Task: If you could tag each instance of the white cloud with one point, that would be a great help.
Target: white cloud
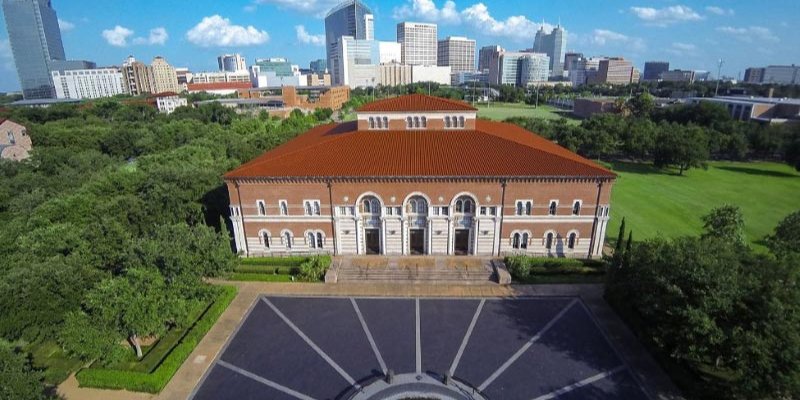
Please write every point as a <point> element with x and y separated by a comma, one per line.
<point>666,16</point>
<point>306,38</point>
<point>314,7</point>
<point>158,36</point>
<point>720,10</point>
<point>603,37</point>
<point>65,25</point>
<point>750,34</point>
<point>216,31</point>
<point>515,27</point>
<point>684,46</point>
<point>118,36</point>
<point>682,49</point>
<point>426,10</point>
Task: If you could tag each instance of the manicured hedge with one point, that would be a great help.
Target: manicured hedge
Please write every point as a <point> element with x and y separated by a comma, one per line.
<point>155,381</point>
<point>523,267</point>
<point>294,261</point>
<point>250,277</point>
<point>267,269</point>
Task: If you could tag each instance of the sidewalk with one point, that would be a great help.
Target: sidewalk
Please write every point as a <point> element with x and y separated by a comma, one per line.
<point>190,373</point>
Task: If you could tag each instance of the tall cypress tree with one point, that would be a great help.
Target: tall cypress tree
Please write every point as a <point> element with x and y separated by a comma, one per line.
<point>620,246</point>
<point>626,258</point>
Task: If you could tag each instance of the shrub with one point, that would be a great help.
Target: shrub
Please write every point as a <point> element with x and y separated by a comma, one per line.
<point>155,381</point>
<point>522,267</point>
<point>518,267</point>
<point>314,269</point>
<point>294,261</point>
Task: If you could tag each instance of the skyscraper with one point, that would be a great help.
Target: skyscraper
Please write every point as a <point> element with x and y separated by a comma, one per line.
<point>318,66</point>
<point>419,43</point>
<point>350,18</point>
<point>458,53</point>
<point>570,59</point>
<point>654,69</point>
<point>137,77</point>
<point>554,44</point>
<point>35,40</point>
<point>232,63</point>
<point>165,79</point>
<point>489,56</point>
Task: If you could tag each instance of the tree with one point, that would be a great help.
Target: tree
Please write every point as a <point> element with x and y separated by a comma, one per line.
<point>786,238</point>
<point>619,246</point>
<point>641,105</point>
<point>18,379</point>
<point>792,152</point>
<point>682,147</point>
<point>726,223</point>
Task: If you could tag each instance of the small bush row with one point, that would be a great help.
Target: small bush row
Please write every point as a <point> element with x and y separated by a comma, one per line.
<point>293,261</point>
<point>271,270</point>
<point>155,381</point>
<point>522,267</point>
<point>260,277</point>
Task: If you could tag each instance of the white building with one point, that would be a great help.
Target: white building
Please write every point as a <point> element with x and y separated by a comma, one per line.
<point>88,83</point>
<point>458,53</point>
<point>533,68</point>
<point>430,73</point>
<point>390,52</point>
<point>356,62</point>
<point>584,68</point>
<point>232,63</point>
<point>168,104</point>
<point>419,43</point>
<point>222,76</point>
<point>394,74</point>
<point>165,77</point>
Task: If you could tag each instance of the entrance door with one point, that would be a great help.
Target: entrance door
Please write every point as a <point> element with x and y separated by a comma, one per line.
<point>462,242</point>
<point>372,239</point>
<point>417,241</point>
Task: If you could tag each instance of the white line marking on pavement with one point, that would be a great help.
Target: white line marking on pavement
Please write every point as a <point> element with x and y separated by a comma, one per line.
<point>369,336</point>
<point>525,347</point>
<point>313,345</point>
<point>466,337</point>
<point>265,381</point>
<point>419,343</point>
<point>576,385</point>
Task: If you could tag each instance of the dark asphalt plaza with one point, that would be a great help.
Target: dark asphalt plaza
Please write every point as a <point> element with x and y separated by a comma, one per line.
<point>330,348</point>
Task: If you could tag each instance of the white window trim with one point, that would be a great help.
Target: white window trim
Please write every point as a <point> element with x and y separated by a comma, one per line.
<point>259,205</point>
<point>548,207</point>
<point>580,202</point>
<point>281,204</point>
<point>315,204</point>
<point>524,207</point>
<point>577,239</point>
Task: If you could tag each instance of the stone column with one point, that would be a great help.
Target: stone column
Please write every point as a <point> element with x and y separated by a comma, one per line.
<point>383,236</point>
<point>359,236</point>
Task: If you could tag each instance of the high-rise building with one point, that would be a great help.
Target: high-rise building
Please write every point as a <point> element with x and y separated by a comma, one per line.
<point>554,44</point>
<point>394,74</point>
<point>569,60</point>
<point>533,68</point>
<point>351,18</point>
<point>391,52</point>
<point>458,53</point>
<point>137,77</point>
<point>35,40</point>
<point>614,71</point>
<point>165,79</point>
<point>356,62</point>
<point>678,75</point>
<point>583,70</point>
<point>754,75</point>
<point>318,66</point>
<point>488,56</point>
<point>419,43</point>
<point>88,83</point>
<point>232,63</point>
<point>654,69</point>
<point>782,74</point>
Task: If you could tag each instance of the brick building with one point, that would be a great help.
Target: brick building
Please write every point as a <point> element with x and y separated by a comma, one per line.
<point>15,144</point>
<point>420,175</point>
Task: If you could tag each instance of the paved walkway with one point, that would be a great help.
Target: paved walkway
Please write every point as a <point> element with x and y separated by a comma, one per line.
<point>187,377</point>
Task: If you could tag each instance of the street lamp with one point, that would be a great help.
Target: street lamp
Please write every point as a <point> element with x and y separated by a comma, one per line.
<point>719,75</point>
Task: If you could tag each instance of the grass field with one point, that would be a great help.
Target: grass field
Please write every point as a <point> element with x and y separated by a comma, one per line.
<point>501,111</point>
<point>661,204</point>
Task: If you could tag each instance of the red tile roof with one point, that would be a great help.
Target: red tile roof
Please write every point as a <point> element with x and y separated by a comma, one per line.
<point>493,149</point>
<point>218,86</point>
<point>416,102</point>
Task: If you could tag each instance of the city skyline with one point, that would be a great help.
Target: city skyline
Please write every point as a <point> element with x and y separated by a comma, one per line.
<point>689,34</point>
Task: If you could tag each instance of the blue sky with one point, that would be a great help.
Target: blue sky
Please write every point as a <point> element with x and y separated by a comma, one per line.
<point>191,33</point>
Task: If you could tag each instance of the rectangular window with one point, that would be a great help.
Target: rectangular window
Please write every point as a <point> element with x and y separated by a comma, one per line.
<point>311,207</point>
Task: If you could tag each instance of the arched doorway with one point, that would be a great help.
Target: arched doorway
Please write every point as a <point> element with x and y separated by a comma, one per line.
<point>371,209</point>
<point>464,209</point>
<point>416,209</point>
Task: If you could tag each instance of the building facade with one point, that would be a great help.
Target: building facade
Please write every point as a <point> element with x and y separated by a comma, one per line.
<point>351,18</point>
<point>782,74</point>
<point>754,75</point>
<point>394,74</point>
<point>219,77</point>
<point>137,77</point>
<point>88,83</point>
<point>569,61</point>
<point>554,44</point>
<point>318,66</point>
<point>458,53</point>
<point>355,62</point>
<point>420,175</point>
<point>533,68</point>
<point>654,69</point>
<point>419,43</point>
<point>678,75</point>
<point>489,58</point>
<point>15,144</point>
<point>232,63</point>
<point>390,52</point>
<point>614,71</point>
<point>430,73</point>
<point>168,102</point>
<point>35,40</point>
<point>165,79</point>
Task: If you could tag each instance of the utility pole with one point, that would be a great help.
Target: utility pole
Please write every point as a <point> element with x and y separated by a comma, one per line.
<point>719,75</point>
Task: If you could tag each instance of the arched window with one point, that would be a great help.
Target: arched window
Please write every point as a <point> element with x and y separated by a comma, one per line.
<point>287,239</point>
<point>284,208</point>
<point>424,122</point>
<point>371,123</point>
<point>417,205</point>
<point>416,122</point>
<point>576,208</point>
<point>447,122</point>
<point>528,207</point>
<point>548,242</point>
<point>409,123</point>
<point>386,122</point>
<point>309,210</point>
<point>516,241</point>
<point>262,209</point>
<point>572,239</point>
<point>310,239</point>
<point>316,208</point>
<point>319,240</point>
<point>525,239</point>
<point>553,207</point>
<point>380,123</point>
<point>370,205</point>
<point>265,239</point>
<point>461,122</point>
<point>465,205</point>
<point>519,208</point>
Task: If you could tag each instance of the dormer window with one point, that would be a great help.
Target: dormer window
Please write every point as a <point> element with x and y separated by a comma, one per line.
<point>461,122</point>
<point>371,123</point>
<point>378,123</point>
<point>447,122</point>
<point>409,123</point>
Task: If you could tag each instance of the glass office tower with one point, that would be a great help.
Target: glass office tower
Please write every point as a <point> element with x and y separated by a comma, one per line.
<point>350,18</point>
<point>35,40</point>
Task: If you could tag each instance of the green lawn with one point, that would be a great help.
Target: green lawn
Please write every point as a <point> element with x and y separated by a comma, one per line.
<point>501,111</point>
<point>663,204</point>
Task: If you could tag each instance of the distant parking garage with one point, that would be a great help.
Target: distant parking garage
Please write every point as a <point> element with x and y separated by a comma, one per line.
<point>358,348</point>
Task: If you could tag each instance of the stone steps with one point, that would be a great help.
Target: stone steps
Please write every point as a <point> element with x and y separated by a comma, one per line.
<point>409,275</point>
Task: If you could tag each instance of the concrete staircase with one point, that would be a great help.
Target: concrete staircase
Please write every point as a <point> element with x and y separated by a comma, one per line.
<point>415,270</point>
